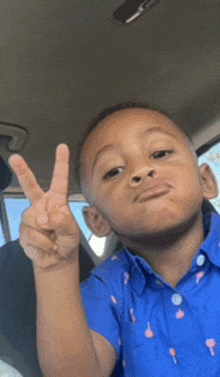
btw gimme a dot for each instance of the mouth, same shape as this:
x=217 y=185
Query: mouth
x=152 y=193
x=153 y=189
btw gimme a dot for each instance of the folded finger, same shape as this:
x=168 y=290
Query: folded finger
x=42 y=259
x=36 y=239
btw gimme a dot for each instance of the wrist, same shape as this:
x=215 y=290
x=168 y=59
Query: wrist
x=64 y=264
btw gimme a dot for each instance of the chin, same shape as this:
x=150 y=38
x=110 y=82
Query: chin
x=166 y=221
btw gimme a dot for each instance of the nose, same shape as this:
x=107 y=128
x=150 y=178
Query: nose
x=140 y=175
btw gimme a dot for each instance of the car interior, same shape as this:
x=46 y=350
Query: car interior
x=62 y=62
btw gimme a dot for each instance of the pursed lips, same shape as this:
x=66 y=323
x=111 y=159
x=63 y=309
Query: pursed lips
x=152 y=189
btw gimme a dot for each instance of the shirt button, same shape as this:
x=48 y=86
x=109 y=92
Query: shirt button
x=176 y=299
x=200 y=260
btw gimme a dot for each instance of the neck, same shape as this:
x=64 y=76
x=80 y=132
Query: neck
x=170 y=253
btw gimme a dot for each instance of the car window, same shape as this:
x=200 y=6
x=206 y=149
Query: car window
x=96 y=243
x=2 y=241
x=16 y=206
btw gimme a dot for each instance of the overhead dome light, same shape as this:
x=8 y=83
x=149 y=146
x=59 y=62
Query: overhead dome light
x=132 y=9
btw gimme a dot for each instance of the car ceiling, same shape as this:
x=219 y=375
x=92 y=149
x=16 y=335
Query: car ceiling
x=63 y=61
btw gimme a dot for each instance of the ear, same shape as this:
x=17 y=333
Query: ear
x=95 y=221
x=208 y=182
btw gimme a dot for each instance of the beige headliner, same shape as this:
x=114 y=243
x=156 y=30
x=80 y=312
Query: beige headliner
x=63 y=61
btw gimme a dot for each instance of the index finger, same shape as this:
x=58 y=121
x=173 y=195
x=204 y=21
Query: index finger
x=26 y=178
x=60 y=178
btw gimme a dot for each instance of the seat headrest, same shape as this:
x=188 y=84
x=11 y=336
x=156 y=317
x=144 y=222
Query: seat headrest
x=5 y=175
x=207 y=208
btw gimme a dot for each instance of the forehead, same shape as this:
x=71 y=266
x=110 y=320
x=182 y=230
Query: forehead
x=130 y=122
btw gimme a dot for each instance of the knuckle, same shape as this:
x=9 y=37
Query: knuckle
x=58 y=217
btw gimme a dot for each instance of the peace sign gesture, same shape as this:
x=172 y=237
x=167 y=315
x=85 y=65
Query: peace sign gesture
x=48 y=233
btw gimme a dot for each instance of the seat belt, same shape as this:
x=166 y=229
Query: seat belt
x=4 y=219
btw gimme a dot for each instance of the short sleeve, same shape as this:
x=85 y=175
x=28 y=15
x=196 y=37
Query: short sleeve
x=100 y=307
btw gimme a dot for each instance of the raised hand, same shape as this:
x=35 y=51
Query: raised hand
x=49 y=234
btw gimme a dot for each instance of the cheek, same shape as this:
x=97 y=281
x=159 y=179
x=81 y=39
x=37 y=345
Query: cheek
x=112 y=201
x=109 y=192
x=188 y=184
x=113 y=205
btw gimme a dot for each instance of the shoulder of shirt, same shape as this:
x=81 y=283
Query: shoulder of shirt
x=114 y=268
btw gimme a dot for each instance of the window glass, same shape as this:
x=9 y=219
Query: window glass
x=96 y=243
x=212 y=158
x=16 y=206
x=2 y=240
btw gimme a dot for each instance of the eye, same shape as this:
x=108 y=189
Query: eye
x=112 y=173
x=161 y=154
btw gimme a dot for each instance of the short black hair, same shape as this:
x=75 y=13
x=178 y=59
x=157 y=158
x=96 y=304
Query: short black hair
x=102 y=115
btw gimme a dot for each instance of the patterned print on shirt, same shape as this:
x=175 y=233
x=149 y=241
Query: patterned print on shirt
x=149 y=333
x=211 y=343
x=199 y=276
x=113 y=299
x=132 y=315
x=172 y=352
x=180 y=314
x=126 y=278
x=115 y=257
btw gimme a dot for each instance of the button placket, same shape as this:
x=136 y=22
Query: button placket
x=174 y=304
x=177 y=300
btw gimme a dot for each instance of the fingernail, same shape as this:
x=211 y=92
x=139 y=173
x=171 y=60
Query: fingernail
x=55 y=247
x=42 y=219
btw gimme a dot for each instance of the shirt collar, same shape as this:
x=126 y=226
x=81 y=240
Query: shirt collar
x=141 y=271
x=211 y=244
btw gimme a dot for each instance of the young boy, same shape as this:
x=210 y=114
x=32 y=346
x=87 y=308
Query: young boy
x=153 y=309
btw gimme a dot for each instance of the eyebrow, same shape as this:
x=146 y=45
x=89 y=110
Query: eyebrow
x=100 y=152
x=143 y=133
x=156 y=129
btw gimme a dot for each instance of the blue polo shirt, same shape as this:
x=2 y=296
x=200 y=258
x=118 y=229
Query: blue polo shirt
x=155 y=329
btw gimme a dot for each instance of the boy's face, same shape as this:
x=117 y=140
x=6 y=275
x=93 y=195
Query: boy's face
x=140 y=172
